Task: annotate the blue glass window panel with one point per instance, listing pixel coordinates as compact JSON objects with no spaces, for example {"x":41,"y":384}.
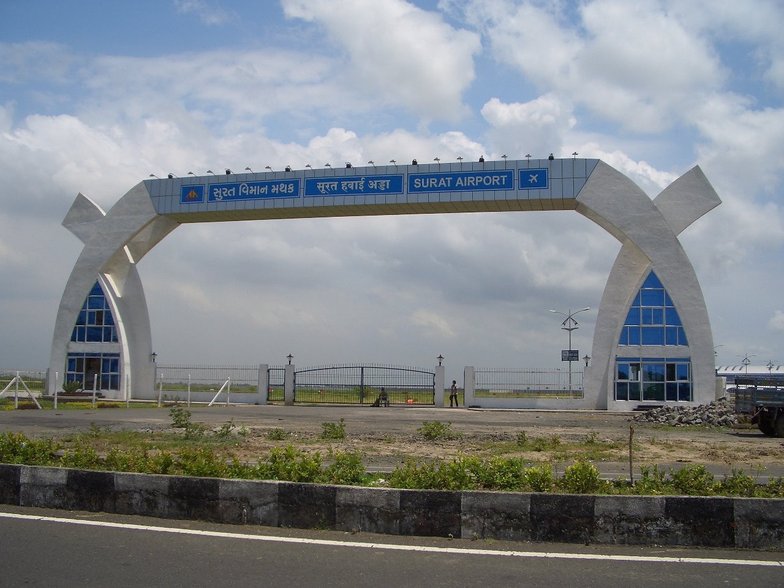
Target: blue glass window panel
{"x":682,"y":371}
{"x":652,"y":281}
{"x":682,"y":337}
{"x":633,"y":318}
{"x":78,"y":334}
{"x":95,"y":302}
{"x":107,"y":335}
{"x":82,"y":318}
{"x":667,"y":299}
{"x":624,"y":338}
{"x":672,"y":317}
{"x":672,"y":335}
{"x":652,"y":316}
{"x":670,"y":372}
{"x":634,"y":336}
{"x":96,"y":290}
{"x":95,"y":334}
{"x":634,"y":390}
{"x":623,"y":371}
{"x":108,"y":318}
{"x":652,"y":335}
{"x":684,"y":392}
{"x":672,"y":391}
{"x":71,"y":364}
{"x":654,"y":372}
{"x":651,"y":297}
{"x":654,"y":392}
{"x":622,"y":391}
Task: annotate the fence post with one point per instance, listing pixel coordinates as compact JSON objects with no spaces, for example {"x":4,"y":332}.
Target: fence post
{"x":469,"y":385}
{"x":438,"y":397}
{"x":288,"y":385}
{"x":263,"y":387}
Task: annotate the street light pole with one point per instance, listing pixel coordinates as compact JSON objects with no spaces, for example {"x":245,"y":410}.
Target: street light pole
{"x":569,"y":324}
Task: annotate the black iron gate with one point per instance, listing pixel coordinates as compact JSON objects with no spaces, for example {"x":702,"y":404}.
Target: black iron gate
{"x":362,"y":384}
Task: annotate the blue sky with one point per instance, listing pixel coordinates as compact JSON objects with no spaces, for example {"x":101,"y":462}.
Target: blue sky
{"x":94,"y":99}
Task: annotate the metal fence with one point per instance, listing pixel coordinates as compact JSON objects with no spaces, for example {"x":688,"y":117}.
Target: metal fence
{"x":35,"y":380}
{"x":528,"y":383}
{"x":276,"y":376}
{"x":181,"y":381}
{"x":362,"y":384}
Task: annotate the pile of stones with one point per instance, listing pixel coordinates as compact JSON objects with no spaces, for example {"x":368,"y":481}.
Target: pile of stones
{"x":719,"y":413}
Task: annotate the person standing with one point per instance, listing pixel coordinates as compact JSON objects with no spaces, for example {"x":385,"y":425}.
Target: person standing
{"x":453,"y":394}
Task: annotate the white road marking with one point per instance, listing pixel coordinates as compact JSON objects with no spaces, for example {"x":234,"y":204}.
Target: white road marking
{"x":395,"y":547}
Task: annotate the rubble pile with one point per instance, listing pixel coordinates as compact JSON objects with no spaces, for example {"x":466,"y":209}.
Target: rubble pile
{"x":719,"y":413}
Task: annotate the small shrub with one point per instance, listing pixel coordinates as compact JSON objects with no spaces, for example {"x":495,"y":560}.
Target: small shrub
{"x":346,"y":469}
{"x":738,"y":484}
{"x":693,"y":480}
{"x":334,"y":431}
{"x":181,"y":418}
{"x":71,"y":387}
{"x":17,"y":448}
{"x":539,"y":478}
{"x":277,"y":434}
{"x":436,"y":431}
{"x":289,"y":463}
{"x":653,"y":481}
{"x":414,"y":474}
{"x":521,"y":439}
{"x":545,"y":443}
{"x":582,"y":477}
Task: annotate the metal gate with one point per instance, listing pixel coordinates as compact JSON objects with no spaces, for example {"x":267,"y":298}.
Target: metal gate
{"x":362,"y":384}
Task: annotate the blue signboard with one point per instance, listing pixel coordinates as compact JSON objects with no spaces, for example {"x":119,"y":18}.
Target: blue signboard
{"x":253,"y":190}
{"x":191,"y":194}
{"x":461,"y":181}
{"x":354,"y":185}
{"x":533,"y":179}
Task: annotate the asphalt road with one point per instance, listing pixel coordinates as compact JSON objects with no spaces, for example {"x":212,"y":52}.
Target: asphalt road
{"x":45,"y":548}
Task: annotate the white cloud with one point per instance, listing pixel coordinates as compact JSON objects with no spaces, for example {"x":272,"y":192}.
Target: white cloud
{"x":776,"y":322}
{"x":404,"y":54}
{"x":207,"y":12}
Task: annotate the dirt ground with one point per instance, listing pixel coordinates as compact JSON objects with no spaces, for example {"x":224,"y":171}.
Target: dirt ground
{"x":386,"y":436}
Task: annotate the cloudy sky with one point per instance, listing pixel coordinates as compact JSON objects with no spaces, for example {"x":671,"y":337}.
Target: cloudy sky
{"x":94,"y":100}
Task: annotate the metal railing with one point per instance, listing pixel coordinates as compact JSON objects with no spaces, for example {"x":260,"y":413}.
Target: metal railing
{"x":362,"y":384}
{"x":528,"y":383}
{"x":197,"y":383}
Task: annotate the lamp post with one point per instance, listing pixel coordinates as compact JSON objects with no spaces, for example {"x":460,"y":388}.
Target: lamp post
{"x":569,"y":324}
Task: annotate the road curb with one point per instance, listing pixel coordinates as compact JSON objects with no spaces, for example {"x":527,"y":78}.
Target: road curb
{"x":747,"y":523}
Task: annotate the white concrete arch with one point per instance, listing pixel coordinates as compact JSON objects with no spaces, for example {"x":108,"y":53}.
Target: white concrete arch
{"x":116,"y":241}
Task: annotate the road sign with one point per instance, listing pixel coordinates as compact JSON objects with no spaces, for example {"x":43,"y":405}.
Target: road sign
{"x":570,"y":355}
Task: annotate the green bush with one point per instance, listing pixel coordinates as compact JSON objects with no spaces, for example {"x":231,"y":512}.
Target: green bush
{"x":333,"y":431}
{"x":277,"y":434}
{"x":291,"y":464}
{"x":17,"y":448}
{"x":437,"y":431}
{"x":581,"y":477}
{"x":653,"y":481}
{"x":539,"y":478}
{"x":737,"y":484}
{"x":693,"y":480}
{"x":346,"y":469}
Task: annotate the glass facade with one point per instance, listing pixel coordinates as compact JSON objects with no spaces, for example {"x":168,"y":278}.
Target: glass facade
{"x":653,"y":321}
{"x":652,"y":318}
{"x":99,"y":369}
{"x":653,"y":379}
{"x":95,"y":323}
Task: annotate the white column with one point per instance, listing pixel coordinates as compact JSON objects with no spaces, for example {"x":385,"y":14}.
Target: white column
{"x":288,"y":386}
{"x":469,"y":385}
{"x":439,"y":386}
{"x":263,"y":386}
